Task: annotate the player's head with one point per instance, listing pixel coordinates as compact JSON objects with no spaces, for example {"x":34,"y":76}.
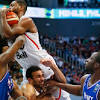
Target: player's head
{"x":18,"y":5}
{"x":93,"y":63}
{"x":35,"y":76}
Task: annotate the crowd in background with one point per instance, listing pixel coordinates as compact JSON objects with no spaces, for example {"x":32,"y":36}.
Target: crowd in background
{"x":69,"y":53}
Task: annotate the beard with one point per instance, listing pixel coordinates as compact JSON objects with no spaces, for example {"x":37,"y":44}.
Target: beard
{"x":89,"y":70}
{"x":38,"y":85}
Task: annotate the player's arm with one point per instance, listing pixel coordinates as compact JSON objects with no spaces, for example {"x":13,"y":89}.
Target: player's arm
{"x":57,"y":73}
{"x":9,"y":54}
{"x":72,"y":89}
{"x":26,"y":24}
{"x":5,"y":26}
{"x":16,"y":92}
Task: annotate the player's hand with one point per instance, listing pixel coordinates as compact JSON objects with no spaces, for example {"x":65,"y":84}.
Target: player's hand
{"x":51,"y":83}
{"x":21,"y":38}
{"x":47,"y":62}
{"x":3,"y":12}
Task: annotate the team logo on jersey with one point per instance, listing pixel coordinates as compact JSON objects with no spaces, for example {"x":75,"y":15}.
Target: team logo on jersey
{"x":21,"y":55}
{"x":96,"y":88}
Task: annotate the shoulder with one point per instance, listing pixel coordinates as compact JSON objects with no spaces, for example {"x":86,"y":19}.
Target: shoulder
{"x":25,"y":19}
{"x":28,"y":89}
{"x":27,"y":86}
{"x":83,"y":79}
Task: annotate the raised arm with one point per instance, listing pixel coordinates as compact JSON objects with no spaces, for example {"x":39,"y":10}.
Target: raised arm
{"x":9,"y":54}
{"x":57,"y":73}
{"x":16,"y":92}
{"x":25,"y":24}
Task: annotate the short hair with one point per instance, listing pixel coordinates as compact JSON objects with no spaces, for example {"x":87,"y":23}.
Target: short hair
{"x":22,"y":3}
{"x":97,"y":58}
{"x":30,"y":70}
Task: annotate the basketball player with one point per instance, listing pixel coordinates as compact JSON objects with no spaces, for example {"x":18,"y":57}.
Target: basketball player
{"x":7,"y":86}
{"x":35,"y":89}
{"x":36,"y":80}
{"x":32,"y":52}
{"x":90,"y":83}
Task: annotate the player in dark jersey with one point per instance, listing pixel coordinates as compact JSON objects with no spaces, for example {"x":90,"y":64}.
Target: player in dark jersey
{"x":7,"y":85}
{"x":90,"y":83}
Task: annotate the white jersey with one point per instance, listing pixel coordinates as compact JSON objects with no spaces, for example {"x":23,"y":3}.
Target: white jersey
{"x":61,"y":95}
{"x":31,"y":54}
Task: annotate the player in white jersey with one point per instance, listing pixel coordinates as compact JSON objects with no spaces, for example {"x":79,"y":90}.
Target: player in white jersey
{"x":31,"y":52}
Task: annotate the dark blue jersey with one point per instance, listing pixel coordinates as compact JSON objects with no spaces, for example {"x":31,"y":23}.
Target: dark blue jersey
{"x":6,"y":85}
{"x":91,"y":93}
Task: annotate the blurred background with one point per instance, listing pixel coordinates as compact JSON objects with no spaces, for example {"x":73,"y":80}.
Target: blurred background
{"x":69,"y":30}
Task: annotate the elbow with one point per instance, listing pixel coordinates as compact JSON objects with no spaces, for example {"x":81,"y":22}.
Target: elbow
{"x":5,"y":58}
{"x":7,"y":34}
{"x":64,"y":81}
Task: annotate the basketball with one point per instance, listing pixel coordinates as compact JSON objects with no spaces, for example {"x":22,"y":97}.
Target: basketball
{"x":12,"y":18}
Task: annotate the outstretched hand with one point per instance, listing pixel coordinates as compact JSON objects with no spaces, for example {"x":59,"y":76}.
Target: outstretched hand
{"x":47,"y":62}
